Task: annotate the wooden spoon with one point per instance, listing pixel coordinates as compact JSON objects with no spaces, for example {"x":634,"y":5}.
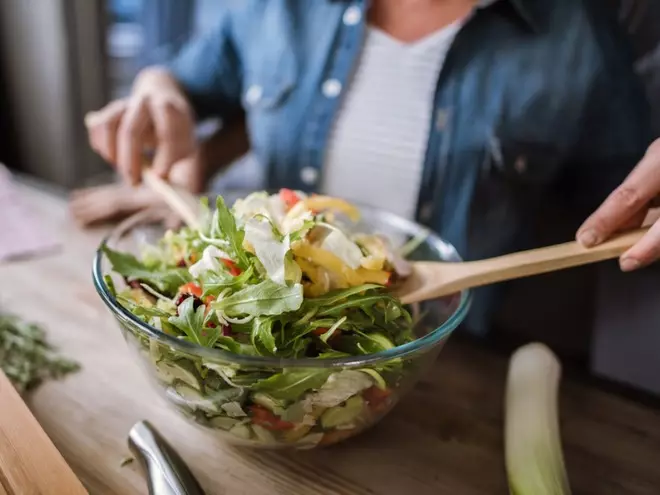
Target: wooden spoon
{"x":181,"y":201}
{"x":430,"y":280}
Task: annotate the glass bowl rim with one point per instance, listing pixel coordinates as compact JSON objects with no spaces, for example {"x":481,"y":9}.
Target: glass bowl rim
{"x":425,"y":342}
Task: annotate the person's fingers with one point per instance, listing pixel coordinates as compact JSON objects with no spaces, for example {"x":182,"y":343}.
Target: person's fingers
{"x":175,"y":135}
{"x":644,"y":252}
{"x":627,"y":201}
{"x":132,"y":131}
{"x":102,"y":129}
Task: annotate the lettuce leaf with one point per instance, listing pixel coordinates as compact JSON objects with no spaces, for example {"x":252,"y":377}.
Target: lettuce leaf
{"x":270,"y":248}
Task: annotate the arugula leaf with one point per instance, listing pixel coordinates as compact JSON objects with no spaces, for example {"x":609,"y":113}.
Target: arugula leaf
{"x":228,"y":344}
{"x":224,"y":224}
{"x":262,"y":334}
{"x":352,"y":303}
{"x":290,"y":385}
{"x":332,"y":298}
{"x":166,"y":280}
{"x":265,"y":298}
{"x":216,"y":282}
{"x":191,"y":323}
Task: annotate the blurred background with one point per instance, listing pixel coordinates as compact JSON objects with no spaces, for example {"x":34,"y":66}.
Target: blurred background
{"x":60,"y":59}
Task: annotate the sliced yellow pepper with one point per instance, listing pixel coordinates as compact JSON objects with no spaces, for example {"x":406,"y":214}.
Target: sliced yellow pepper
{"x":373,"y":276}
{"x":326,"y":260}
{"x":337,"y":267}
{"x":318,"y":285}
{"x":321,"y":203}
{"x":372,"y":263}
{"x":309,"y":269}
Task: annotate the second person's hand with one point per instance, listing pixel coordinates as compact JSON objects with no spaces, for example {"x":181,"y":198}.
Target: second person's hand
{"x":626,"y":208}
{"x":156,"y":116}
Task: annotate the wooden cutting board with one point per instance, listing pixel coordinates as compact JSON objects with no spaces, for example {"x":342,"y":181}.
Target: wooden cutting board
{"x":29,"y":462}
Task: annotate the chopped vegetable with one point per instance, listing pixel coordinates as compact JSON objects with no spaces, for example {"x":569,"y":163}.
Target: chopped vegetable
{"x":534,"y":459}
{"x":26,"y":357}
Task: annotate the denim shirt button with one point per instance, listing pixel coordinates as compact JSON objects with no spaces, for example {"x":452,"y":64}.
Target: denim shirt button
{"x":426,"y":212}
{"x":253,"y":94}
{"x":331,"y":88}
{"x":352,"y":15}
{"x":520,"y":165}
{"x":309,"y":175}
{"x":441,"y":119}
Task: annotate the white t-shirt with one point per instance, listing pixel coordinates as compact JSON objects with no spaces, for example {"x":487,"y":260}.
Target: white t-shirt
{"x":378,"y":141}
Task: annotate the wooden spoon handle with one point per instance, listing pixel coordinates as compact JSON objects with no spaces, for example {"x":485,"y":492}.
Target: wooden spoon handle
{"x":180,"y":201}
{"x":547,"y":259}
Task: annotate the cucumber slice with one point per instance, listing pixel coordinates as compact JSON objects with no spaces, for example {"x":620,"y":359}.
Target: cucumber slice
{"x":339,"y":416}
{"x":264,"y":435}
{"x":378,"y":379}
{"x":223,"y":423}
{"x":273,"y":405}
{"x":241,"y":431}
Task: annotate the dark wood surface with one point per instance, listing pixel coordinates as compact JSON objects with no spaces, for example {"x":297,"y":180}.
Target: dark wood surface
{"x":445,"y":437}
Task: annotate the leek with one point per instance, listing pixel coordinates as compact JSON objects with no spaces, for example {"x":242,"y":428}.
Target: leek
{"x":534,"y":459}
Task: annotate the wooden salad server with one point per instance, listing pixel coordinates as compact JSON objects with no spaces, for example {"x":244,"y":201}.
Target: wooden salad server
{"x":433,"y":279}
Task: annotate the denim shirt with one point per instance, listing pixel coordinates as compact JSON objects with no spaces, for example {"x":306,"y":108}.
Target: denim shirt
{"x":536,"y":102}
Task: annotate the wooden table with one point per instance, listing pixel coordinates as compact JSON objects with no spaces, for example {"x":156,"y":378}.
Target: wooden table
{"x":444,"y":438}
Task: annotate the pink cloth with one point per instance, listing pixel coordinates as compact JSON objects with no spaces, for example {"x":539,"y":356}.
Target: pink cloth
{"x":22,"y":233}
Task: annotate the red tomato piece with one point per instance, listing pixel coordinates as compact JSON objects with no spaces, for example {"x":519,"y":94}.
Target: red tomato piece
{"x":263,"y":417}
{"x":321,"y":331}
{"x":191,"y":288}
{"x":376,"y":396}
{"x":289,"y":197}
{"x":231,"y":266}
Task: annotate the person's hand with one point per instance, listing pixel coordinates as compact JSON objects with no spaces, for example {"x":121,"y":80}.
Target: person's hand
{"x":114,"y":202}
{"x":626,"y":208}
{"x":156,"y":116}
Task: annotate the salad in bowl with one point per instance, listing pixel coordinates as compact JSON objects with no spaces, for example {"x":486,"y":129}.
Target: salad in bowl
{"x":273,"y":323}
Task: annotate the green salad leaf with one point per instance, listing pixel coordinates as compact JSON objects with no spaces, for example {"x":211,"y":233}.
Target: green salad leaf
{"x":165,"y":279}
{"x":224,"y":225}
{"x":191,"y":322}
{"x":291,"y":384}
{"x":265,"y":298}
{"x":216,"y":282}
{"x":262,"y":334}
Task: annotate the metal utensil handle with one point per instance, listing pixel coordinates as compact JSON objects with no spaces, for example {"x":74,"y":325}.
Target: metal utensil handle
{"x":167,"y":474}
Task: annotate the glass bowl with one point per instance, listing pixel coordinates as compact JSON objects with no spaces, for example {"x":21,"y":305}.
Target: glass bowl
{"x":217,"y":390}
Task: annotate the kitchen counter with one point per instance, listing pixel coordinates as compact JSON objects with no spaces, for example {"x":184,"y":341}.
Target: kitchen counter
{"x":444,"y":438}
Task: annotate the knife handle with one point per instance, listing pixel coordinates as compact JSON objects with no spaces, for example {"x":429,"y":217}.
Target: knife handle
{"x":167,"y":474}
